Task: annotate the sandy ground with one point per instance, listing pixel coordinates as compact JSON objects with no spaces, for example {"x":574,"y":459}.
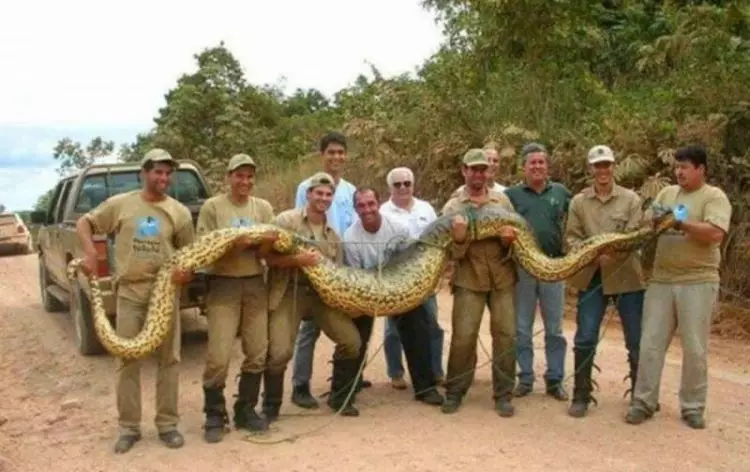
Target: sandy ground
{"x":57,"y":412}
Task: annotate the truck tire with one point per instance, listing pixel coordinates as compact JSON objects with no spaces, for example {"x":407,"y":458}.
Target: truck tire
{"x":80,"y":311}
{"x":50,"y":303}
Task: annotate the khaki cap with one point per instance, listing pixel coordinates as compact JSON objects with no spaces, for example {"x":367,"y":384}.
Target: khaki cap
{"x":158,"y":155}
{"x":601,"y":153}
{"x":239,"y":160}
{"x":322,"y":178}
{"x":475,"y":157}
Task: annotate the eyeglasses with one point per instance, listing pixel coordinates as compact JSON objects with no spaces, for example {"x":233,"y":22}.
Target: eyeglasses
{"x":406,"y":184}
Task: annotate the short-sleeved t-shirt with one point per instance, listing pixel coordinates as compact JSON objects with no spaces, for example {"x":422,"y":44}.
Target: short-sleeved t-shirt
{"x":545,"y":211}
{"x":679,"y":259}
{"x":416,"y":218}
{"x":221,"y":212}
{"x":146,"y":235}
{"x":365,"y":250}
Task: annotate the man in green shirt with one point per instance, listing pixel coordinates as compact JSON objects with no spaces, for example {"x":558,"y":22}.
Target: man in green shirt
{"x":544,"y":204}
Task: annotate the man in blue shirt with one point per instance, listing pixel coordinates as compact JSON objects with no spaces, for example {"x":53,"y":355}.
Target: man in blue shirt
{"x":333,"y":151}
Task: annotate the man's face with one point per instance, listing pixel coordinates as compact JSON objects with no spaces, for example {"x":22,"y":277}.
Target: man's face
{"x":367,"y":207}
{"x":687,"y":174}
{"x":602,"y":172}
{"x":320,"y":198}
{"x":242,"y":180}
{"x":334,"y":158}
{"x":158,"y":179}
{"x":402,"y":186}
{"x":476,"y":177}
{"x":535,"y":168}
{"x":494,"y":159}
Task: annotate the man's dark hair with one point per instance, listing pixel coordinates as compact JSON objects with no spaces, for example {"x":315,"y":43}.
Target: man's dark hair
{"x":696,"y":155}
{"x":148,"y":166}
{"x":361,"y":190}
{"x":333,"y":137}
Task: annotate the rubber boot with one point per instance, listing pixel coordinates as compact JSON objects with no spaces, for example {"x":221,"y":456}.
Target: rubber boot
{"x":245,"y":416}
{"x":273,"y":391}
{"x":216,"y":414}
{"x":302,"y":397}
{"x":584,"y":363}
{"x":344,"y":377}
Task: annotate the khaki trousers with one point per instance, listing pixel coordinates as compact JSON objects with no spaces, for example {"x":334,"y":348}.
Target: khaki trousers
{"x":130,"y":318}
{"x":665,"y":308}
{"x":284,"y":322}
{"x":468,"y":309}
{"x":234,"y":304}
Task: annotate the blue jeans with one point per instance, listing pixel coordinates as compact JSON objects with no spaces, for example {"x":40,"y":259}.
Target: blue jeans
{"x":592,"y":304}
{"x":392,"y":342}
{"x":551,"y":297}
{"x":304,"y":352}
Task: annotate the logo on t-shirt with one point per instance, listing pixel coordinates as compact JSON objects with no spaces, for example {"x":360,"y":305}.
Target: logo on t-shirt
{"x":241,"y":222}
{"x":148,"y":227}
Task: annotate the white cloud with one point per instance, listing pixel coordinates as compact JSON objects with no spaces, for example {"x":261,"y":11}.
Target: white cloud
{"x":91,"y":62}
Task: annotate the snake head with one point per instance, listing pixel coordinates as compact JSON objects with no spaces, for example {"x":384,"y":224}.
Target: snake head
{"x":663,"y":217}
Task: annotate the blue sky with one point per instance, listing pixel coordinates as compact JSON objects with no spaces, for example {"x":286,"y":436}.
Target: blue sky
{"x":74,"y":72}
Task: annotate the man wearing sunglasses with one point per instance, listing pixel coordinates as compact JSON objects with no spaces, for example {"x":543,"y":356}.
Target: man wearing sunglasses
{"x":415,"y":214}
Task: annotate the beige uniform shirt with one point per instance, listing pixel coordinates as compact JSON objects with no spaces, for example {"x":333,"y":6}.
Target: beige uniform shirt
{"x":146,"y":235}
{"x":679,"y":259}
{"x":220,"y":212}
{"x":480,"y":265}
{"x":590,"y":215}
{"x":323,"y":236}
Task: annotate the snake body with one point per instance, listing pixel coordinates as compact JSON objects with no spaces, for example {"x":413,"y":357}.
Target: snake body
{"x":410,"y":274}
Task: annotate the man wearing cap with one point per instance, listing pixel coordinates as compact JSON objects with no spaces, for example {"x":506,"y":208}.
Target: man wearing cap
{"x":544,"y":204}
{"x":292,"y":297}
{"x":340,"y":215}
{"x":149,"y":226}
{"x":493,"y":157}
{"x":604,"y":207}
{"x":483,"y":276}
{"x":237,"y":299}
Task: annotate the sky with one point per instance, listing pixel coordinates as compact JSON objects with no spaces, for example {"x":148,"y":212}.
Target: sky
{"x":90,"y":68}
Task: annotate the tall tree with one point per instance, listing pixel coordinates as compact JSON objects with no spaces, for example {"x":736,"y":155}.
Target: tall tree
{"x":73,"y":156}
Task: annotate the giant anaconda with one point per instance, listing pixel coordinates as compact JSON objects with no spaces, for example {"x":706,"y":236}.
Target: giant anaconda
{"x":409,"y":276}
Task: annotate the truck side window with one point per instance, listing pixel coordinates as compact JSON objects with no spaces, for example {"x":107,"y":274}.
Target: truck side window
{"x":93,"y":192}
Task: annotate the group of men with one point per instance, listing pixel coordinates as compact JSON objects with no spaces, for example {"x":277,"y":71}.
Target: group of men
{"x":267,"y":298}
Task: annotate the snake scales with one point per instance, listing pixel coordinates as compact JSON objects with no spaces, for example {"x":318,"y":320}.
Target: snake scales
{"x":409,"y":276}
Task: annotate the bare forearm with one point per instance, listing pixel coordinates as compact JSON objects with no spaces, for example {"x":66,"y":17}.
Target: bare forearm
{"x":86,"y":235}
{"x":702,"y":232}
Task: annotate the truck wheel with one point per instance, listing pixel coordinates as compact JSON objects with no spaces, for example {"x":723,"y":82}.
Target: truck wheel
{"x":50,"y":303}
{"x":80,"y":311}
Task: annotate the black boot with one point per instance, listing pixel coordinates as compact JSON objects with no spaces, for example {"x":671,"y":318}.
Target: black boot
{"x":216,"y":414}
{"x":633,"y":375}
{"x":302,"y":397}
{"x":273,"y":392}
{"x":344,"y":377}
{"x":245,"y":416}
{"x":584,"y":363}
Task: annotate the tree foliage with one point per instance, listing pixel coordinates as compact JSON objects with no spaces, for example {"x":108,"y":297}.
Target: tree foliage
{"x":73,"y":156}
{"x":644,"y":77}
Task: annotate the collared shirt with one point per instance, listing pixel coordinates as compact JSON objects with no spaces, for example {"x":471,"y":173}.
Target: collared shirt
{"x":341,"y":213}
{"x":416,"y":218}
{"x":482,"y":265}
{"x":545,"y":211}
{"x":589,"y":215}
{"x":324,"y":237}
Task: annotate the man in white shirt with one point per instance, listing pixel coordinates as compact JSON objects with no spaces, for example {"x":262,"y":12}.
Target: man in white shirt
{"x":415,"y":214}
{"x":365,"y":245}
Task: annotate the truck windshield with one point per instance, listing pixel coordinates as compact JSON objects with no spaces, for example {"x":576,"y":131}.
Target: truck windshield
{"x":186,"y":188}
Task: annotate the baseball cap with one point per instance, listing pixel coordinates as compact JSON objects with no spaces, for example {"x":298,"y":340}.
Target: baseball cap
{"x":600,"y":153}
{"x":322,"y":178}
{"x":239,"y":160}
{"x":475,"y":157}
{"x":158,"y":155}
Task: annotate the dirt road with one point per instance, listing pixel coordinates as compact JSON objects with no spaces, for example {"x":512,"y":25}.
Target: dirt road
{"x":57,"y":412}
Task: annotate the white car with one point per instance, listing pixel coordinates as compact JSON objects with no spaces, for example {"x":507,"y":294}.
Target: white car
{"x":14,"y":235}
